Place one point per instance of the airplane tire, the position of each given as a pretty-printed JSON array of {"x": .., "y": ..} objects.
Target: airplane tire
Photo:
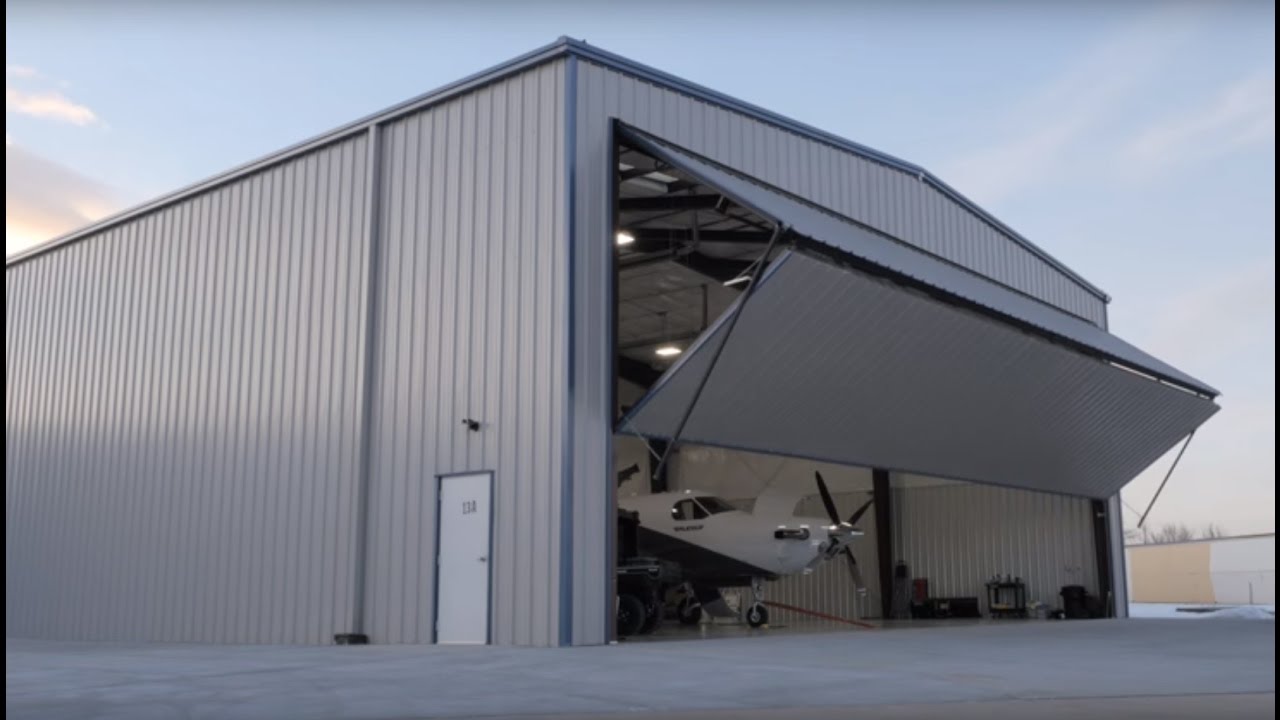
[
  {"x": 652, "y": 616},
  {"x": 757, "y": 615},
  {"x": 689, "y": 611},
  {"x": 630, "y": 615}
]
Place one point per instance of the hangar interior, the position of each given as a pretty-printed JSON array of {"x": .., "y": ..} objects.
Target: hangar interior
[{"x": 685, "y": 253}]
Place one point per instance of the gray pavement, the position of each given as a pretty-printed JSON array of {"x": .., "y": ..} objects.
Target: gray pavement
[
  {"x": 1167, "y": 707},
  {"x": 1143, "y": 668}
]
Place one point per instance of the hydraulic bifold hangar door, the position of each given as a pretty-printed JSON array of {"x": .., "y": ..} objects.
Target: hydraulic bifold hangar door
[{"x": 855, "y": 348}]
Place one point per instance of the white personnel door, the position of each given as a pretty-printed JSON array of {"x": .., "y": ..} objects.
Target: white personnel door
[{"x": 462, "y": 570}]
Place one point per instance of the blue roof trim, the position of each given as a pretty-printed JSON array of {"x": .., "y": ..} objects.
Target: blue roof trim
[{"x": 561, "y": 47}]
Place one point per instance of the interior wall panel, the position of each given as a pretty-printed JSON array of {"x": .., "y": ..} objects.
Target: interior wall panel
[{"x": 959, "y": 535}]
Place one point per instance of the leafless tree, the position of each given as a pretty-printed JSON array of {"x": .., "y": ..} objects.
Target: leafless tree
[
  {"x": 1172, "y": 532},
  {"x": 1213, "y": 530},
  {"x": 1138, "y": 536}
]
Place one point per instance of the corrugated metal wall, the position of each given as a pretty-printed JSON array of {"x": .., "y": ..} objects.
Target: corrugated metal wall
[
  {"x": 959, "y": 535},
  {"x": 878, "y": 195},
  {"x": 473, "y": 325},
  {"x": 181, "y": 420}
]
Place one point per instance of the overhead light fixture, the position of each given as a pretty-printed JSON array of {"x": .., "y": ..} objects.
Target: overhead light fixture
[
  {"x": 737, "y": 281},
  {"x": 624, "y": 238},
  {"x": 666, "y": 349}
]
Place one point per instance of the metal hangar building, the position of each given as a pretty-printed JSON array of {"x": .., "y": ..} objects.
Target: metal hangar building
[{"x": 381, "y": 383}]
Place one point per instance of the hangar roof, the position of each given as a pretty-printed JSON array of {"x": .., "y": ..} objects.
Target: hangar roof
[{"x": 562, "y": 47}]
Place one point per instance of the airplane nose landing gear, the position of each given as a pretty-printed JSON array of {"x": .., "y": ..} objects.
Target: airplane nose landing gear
[
  {"x": 757, "y": 614},
  {"x": 690, "y": 610}
]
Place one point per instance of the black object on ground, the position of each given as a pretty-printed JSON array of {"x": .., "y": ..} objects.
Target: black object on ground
[{"x": 1007, "y": 598}]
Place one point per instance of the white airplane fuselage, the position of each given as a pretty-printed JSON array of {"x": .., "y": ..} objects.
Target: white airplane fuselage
[{"x": 728, "y": 543}]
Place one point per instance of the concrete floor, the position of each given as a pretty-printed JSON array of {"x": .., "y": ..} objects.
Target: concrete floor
[{"x": 1137, "y": 668}]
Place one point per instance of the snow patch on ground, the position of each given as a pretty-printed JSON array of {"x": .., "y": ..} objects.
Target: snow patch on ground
[{"x": 1195, "y": 611}]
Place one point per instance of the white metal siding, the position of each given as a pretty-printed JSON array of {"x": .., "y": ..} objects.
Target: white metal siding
[
  {"x": 473, "y": 308},
  {"x": 183, "y": 394},
  {"x": 959, "y": 535},
  {"x": 881, "y": 196}
]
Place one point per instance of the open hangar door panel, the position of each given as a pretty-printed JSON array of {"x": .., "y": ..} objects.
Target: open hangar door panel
[{"x": 855, "y": 349}]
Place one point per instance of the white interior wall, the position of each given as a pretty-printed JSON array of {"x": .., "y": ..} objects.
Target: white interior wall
[{"x": 958, "y": 535}]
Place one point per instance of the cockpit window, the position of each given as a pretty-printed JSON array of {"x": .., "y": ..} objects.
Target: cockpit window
[
  {"x": 686, "y": 510},
  {"x": 714, "y": 505}
]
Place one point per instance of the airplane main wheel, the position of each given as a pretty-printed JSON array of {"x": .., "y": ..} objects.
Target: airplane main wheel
[
  {"x": 689, "y": 611},
  {"x": 652, "y": 616},
  {"x": 757, "y": 615},
  {"x": 630, "y": 615}
]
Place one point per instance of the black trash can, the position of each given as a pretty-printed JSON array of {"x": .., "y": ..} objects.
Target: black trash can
[{"x": 1074, "y": 602}]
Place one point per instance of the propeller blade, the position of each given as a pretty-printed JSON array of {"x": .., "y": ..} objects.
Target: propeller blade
[
  {"x": 827, "y": 501},
  {"x": 854, "y": 571},
  {"x": 857, "y": 515}
]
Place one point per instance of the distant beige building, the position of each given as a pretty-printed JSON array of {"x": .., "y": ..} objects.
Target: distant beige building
[{"x": 1231, "y": 571}]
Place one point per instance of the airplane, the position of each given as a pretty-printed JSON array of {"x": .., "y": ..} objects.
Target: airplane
[{"x": 717, "y": 545}]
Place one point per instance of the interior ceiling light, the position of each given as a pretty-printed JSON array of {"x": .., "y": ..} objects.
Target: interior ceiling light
[
  {"x": 667, "y": 351},
  {"x": 624, "y": 238}
]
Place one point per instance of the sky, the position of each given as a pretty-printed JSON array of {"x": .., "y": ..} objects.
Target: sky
[{"x": 1134, "y": 141}]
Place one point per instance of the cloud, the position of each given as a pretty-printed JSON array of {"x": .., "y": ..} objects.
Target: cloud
[
  {"x": 48, "y": 104},
  {"x": 44, "y": 199},
  {"x": 1243, "y": 115},
  {"x": 1045, "y": 129},
  {"x": 42, "y": 102}
]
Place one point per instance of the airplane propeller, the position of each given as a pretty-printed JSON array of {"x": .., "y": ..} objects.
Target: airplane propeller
[{"x": 855, "y": 573}]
